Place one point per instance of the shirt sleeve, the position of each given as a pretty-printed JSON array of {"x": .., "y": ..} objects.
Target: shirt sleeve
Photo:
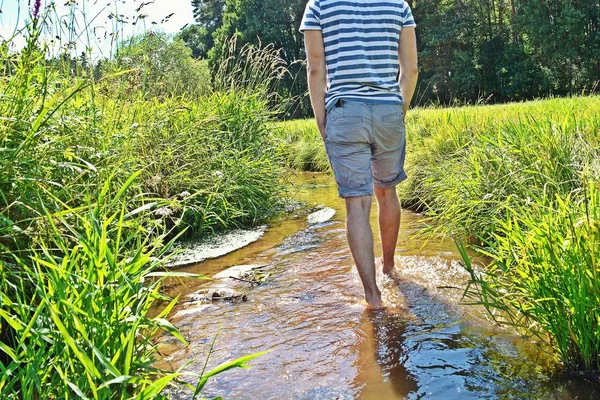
[
  {"x": 312, "y": 17},
  {"x": 407, "y": 18}
]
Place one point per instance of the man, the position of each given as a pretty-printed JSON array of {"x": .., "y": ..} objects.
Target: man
[{"x": 355, "y": 51}]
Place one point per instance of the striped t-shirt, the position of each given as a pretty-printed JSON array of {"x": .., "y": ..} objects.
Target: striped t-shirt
[{"x": 361, "y": 47}]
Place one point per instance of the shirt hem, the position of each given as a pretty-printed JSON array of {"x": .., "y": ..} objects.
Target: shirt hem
[{"x": 310, "y": 28}]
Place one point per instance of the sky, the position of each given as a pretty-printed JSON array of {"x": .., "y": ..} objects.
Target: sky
[{"x": 99, "y": 15}]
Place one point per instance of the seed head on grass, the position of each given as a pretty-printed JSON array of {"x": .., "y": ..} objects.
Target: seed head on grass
[{"x": 35, "y": 10}]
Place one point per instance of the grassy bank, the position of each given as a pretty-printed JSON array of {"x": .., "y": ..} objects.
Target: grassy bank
[
  {"x": 521, "y": 181},
  {"x": 100, "y": 170}
]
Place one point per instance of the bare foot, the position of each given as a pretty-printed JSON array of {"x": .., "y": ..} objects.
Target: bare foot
[
  {"x": 394, "y": 275},
  {"x": 376, "y": 306},
  {"x": 373, "y": 300},
  {"x": 388, "y": 269}
]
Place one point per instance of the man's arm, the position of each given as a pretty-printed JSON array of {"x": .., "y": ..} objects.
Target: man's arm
[
  {"x": 409, "y": 72},
  {"x": 317, "y": 75}
]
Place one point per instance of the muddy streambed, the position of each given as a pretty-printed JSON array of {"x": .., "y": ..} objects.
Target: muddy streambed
[{"x": 323, "y": 344}]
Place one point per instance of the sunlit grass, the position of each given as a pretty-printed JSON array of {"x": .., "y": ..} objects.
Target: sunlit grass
[
  {"x": 544, "y": 274},
  {"x": 99, "y": 173},
  {"x": 78, "y": 305},
  {"x": 75, "y": 311},
  {"x": 302, "y": 146},
  {"x": 464, "y": 164}
]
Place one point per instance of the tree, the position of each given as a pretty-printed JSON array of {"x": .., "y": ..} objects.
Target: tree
[
  {"x": 198, "y": 38},
  {"x": 209, "y": 17},
  {"x": 564, "y": 37},
  {"x": 267, "y": 22},
  {"x": 161, "y": 67},
  {"x": 208, "y": 13},
  {"x": 470, "y": 50},
  {"x": 468, "y": 53}
]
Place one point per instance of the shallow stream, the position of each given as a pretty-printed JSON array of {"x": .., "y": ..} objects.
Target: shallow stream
[{"x": 322, "y": 342}]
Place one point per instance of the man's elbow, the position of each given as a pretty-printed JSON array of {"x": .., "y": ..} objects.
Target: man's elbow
[
  {"x": 411, "y": 71},
  {"x": 315, "y": 71}
]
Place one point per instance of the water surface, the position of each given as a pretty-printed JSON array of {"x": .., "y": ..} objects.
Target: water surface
[{"x": 324, "y": 344}]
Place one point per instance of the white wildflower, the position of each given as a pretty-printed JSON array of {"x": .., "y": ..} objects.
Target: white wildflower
[{"x": 163, "y": 212}]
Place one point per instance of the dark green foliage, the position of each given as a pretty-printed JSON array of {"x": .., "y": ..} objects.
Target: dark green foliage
[
  {"x": 496, "y": 50},
  {"x": 198, "y": 38},
  {"x": 271, "y": 21},
  {"x": 209, "y": 13},
  {"x": 261, "y": 23},
  {"x": 209, "y": 17},
  {"x": 564, "y": 37},
  {"x": 471, "y": 51}
]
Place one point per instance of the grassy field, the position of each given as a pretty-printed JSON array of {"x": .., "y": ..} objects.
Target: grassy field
[{"x": 521, "y": 182}]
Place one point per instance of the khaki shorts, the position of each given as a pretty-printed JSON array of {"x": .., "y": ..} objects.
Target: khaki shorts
[{"x": 366, "y": 145}]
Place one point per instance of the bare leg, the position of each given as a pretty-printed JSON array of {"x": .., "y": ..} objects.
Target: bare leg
[
  {"x": 389, "y": 224},
  {"x": 360, "y": 240}
]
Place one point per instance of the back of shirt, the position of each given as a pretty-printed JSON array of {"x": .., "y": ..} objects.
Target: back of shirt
[{"x": 361, "y": 47}]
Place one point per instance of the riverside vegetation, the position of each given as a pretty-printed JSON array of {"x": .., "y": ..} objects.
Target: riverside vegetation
[
  {"x": 101, "y": 170},
  {"x": 522, "y": 182},
  {"x": 103, "y": 167}
]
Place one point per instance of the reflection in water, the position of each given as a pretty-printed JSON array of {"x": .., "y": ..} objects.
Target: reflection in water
[
  {"x": 381, "y": 370},
  {"x": 323, "y": 343}
]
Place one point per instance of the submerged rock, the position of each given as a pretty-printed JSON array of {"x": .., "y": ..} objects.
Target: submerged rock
[
  {"x": 195, "y": 252},
  {"x": 231, "y": 284},
  {"x": 195, "y": 309},
  {"x": 321, "y": 216},
  {"x": 239, "y": 272}
]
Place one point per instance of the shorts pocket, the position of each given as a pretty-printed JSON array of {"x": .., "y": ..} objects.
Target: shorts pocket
[
  {"x": 347, "y": 120},
  {"x": 339, "y": 116},
  {"x": 396, "y": 117},
  {"x": 350, "y": 129}
]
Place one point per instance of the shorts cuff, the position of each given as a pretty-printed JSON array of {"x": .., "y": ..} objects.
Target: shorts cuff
[
  {"x": 364, "y": 190},
  {"x": 402, "y": 177}
]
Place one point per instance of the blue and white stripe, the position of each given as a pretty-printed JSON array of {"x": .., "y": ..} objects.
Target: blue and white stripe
[{"x": 361, "y": 46}]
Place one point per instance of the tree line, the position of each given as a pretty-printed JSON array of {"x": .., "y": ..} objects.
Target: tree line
[{"x": 471, "y": 51}]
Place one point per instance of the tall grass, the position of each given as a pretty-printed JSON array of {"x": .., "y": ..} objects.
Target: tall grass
[
  {"x": 465, "y": 165},
  {"x": 521, "y": 180},
  {"x": 302, "y": 146},
  {"x": 75, "y": 309},
  {"x": 544, "y": 274},
  {"x": 258, "y": 69},
  {"x": 78, "y": 305},
  {"x": 98, "y": 175}
]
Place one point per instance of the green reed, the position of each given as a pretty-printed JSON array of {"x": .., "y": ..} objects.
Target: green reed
[
  {"x": 302, "y": 146},
  {"x": 519, "y": 179},
  {"x": 465, "y": 164},
  {"x": 543, "y": 277}
]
